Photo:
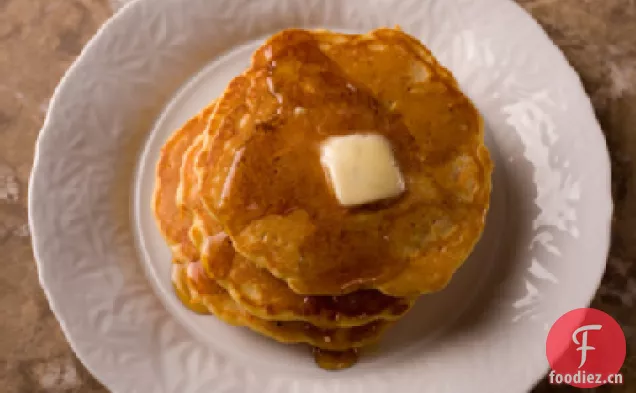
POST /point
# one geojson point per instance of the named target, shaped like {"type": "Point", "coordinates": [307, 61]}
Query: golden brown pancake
{"type": "Point", "coordinates": [260, 174]}
{"type": "Point", "coordinates": [173, 224]}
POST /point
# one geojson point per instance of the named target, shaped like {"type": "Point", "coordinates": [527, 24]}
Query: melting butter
{"type": "Point", "coordinates": [362, 168]}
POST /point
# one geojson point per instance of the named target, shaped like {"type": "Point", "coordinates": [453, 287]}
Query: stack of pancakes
{"type": "Point", "coordinates": [257, 235]}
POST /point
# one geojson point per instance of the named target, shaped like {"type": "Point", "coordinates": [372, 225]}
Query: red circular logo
{"type": "Point", "coordinates": [585, 348]}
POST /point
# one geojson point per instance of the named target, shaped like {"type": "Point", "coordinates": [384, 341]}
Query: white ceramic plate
{"type": "Point", "coordinates": [105, 269]}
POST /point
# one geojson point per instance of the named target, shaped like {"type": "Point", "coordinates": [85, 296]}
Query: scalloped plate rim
{"type": "Point", "coordinates": [47, 133]}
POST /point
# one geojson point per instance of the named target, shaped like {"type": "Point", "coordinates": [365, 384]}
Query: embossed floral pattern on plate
{"type": "Point", "coordinates": [543, 251]}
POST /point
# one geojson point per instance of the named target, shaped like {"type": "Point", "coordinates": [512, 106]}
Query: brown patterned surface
{"type": "Point", "coordinates": [40, 38]}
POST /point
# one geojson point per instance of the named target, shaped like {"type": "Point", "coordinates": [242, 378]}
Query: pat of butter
{"type": "Point", "coordinates": [362, 168]}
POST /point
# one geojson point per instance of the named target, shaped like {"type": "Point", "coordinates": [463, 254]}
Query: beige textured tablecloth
{"type": "Point", "coordinates": [40, 38]}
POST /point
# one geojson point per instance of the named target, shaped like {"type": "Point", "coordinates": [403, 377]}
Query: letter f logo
{"type": "Point", "coordinates": [583, 344]}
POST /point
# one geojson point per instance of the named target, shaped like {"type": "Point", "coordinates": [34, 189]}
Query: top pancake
{"type": "Point", "coordinates": [260, 173]}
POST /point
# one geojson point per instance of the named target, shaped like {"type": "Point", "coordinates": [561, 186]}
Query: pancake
{"type": "Point", "coordinates": [257, 290]}
{"type": "Point", "coordinates": [219, 303]}
{"type": "Point", "coordinates": [260, 175]}
{"type": "Point", "coordinates": [172, 223]}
